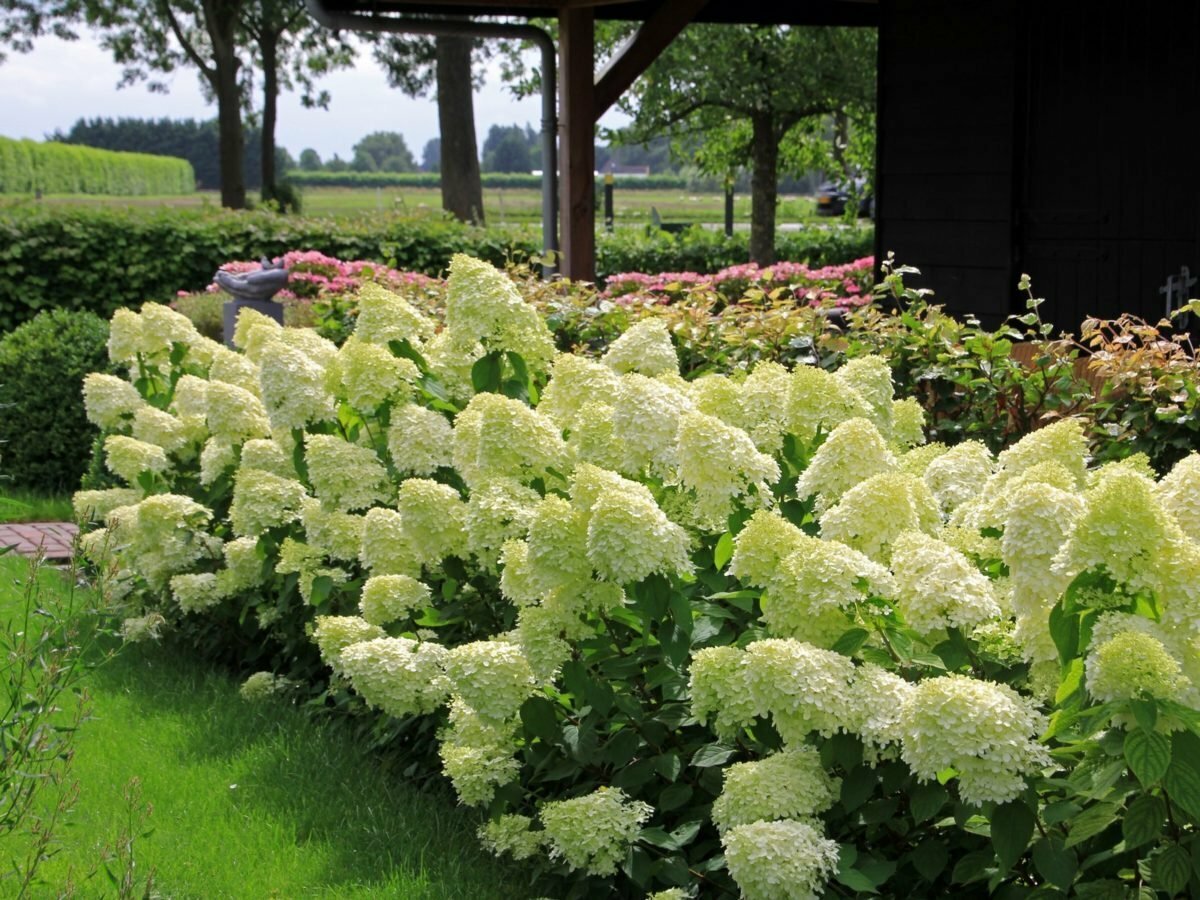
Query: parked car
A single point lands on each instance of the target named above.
(832, 200)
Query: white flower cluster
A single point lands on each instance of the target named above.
(593, 832)
(786, 860)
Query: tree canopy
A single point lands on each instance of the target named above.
(762, 95)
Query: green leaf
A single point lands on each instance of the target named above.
(1143, 820)
(855, 880)
(723, 552)
(972, 867)
(1054, 862)
(715, 754)
(540, 718)
(1172, 868)
(1093, 820)
(1064, 628)
(1145, 712)
(405, 350)
(674, 796)
(522, 372)
(926, 799)
(1012, 827)
(322, 586)
(485, 374)
(1148, 754)
(851, 642)
(1072, 681)
(1182, 781)
(929, 858)
(857, 786)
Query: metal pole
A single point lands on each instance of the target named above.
(728, 206)
(608, 202)
(456, 28)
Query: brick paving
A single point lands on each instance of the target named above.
(53, 540)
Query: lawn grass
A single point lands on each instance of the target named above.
(245, 800)
(502, 206)
(24, 505)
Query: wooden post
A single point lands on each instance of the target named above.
(728, 206)
(577, 119)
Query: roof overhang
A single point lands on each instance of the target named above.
(761, 12)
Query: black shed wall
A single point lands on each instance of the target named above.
(1041, 137)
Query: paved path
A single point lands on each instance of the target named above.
(53, 539)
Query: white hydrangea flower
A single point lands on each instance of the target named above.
(124, 335)
(645, 348)
(262, 501)
(629, 538)
(293, 387)
(853, 452)
(937, 587)
(477, 755)
(262, 686)
(163, 327)
(498, 510)
(336, 534)
(157, 427)
(802, 687)
(790, 784)
(344, 476)
(196, 592)
(94, 506)
(368, 376)
(109, 401)
(787, 860)
(248, 319)
(492, 677)
(985, 731)
(435, 519)
(235, 414)
(419, 440)
(483, 304)
(267, 455)
(916, 460)
(386, 545)
(720, 690)
(575, 382)
(243, 566)
(557, 548)
(1062, 442)
(402, 677)
(217, 458)
(511, 834)
(818, 400)
(161, 536)
(871, 378)
(386, 598)
(333, 634)
(499, 437)
(384, 316)
(127, 457)
(1179, 493)
(645, 417)
(872, 514)
(761, 546)
(593, 832)
(1132, 663)
(908, 422)
(877, 702)
(234, 368)
(959, 474)
(720, 463)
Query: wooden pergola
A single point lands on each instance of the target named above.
(584, 94)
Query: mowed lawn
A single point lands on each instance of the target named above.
(232, 799)
(502, 206)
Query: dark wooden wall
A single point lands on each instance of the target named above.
(1052, 138)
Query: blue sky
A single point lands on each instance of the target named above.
(60, 82)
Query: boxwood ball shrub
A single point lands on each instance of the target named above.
(46, 436)
(740, 635)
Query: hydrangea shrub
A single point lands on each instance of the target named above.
(743, 634)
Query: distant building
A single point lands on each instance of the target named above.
(614, 169)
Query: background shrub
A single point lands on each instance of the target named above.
(104, 259)
(490, 180)
(47, 437)
(28, 166)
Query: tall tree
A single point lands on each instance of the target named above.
(748, 91)
(291, 49)
(415, 65)
(388, 150)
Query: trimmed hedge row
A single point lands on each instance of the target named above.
(104, 259)
(28, 166)
(490, 180)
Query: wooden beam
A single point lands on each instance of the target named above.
(651, 39)
(577, 120)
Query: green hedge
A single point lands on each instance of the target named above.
(103, 259)
(28, 166)
(490, 180)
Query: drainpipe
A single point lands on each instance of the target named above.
(454, 28)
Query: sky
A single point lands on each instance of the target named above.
(60, 82)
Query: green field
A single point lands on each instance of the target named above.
(501, 205)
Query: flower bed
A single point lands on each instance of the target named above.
(734, 634)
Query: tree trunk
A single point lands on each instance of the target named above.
(222, 18)
(764, 155)
(462, 188)
(270, 62)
